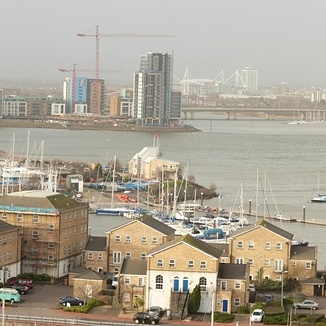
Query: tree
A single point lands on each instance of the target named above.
(138, 302)
(260, 274)
(194, 300)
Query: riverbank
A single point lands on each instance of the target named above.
(108, 125)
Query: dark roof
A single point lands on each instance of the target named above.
(192, 241)
(150, 222)
(6, 226)
(268, 226)
(232, 271)
(78, 270)
(37, 201)
(314, 280)
(224, 247)
(303, 253)
(134, 267)
(96, 243)
(90, 275)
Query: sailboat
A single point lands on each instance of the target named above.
(113, 211)
(321, 198)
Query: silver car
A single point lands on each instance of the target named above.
(306, 304)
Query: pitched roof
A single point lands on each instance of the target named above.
(134, 267)
(232, 271)
(38, 201)
(193, 242)
(266, 225)
(6, 226)
(314, 280)
(150, 222)
(96, 243)
(303, 253)
(90, 275)
(224, 247)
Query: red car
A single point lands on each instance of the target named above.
(25, 282)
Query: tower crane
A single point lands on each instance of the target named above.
(97, 37)
(74, 71)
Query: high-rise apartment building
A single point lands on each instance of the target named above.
(153, 88)
(88, 92)
(250, 77)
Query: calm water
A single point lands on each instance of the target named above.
(288, 159)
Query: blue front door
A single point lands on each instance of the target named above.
(225, 306)
(185, 284)
(176, 284)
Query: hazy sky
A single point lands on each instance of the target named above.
(285, 39)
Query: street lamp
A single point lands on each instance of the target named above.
(282, 285)
(201, 200)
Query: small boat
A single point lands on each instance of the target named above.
(300, 243)
(113, 211)
(321, 198)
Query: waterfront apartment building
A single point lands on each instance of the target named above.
(54, 230)
(152, 89)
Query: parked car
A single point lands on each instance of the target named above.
(257, 315)
(306, 304)
(145, 318)
(115, 281)
(73, 301)
(22, 281)
(156, 310)
(22, 289)
(269, 298)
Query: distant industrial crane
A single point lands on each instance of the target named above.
(97, 36)
(74, 71)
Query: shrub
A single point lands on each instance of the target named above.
(281, 319)
(194, 300)
(221, 317)
(241, 310)
(86, 308)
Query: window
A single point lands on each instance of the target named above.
(278, 246)
(224, 285)
(240, 261)
(278, 265)
(267, 263)
(34, 234)
(143, 255)
(191, 264)
(237, 285)
(308, 265)
(294, 264)
(203, 264)
(250, 261)
(236, 301)
(240, 244)
(34, 250)
(268, 246)
(126, 296)
(140, 281)
(203, 284)
(251, 245)
(154, 240)
(50, 257)
(128, 255)
(51, 227)
(117, 238)
(128, 239)
(90, 256)
(144, 240)
(159, 262)
(4, 216)
(116, 257)
(172, 263)
(20, 217)
(159, 282)
(100, 256)
(50, 245)
(127, 280)
(35, 219)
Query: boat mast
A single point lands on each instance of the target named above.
(257, 195)
(113, 179)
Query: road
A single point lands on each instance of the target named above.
(42, 301)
